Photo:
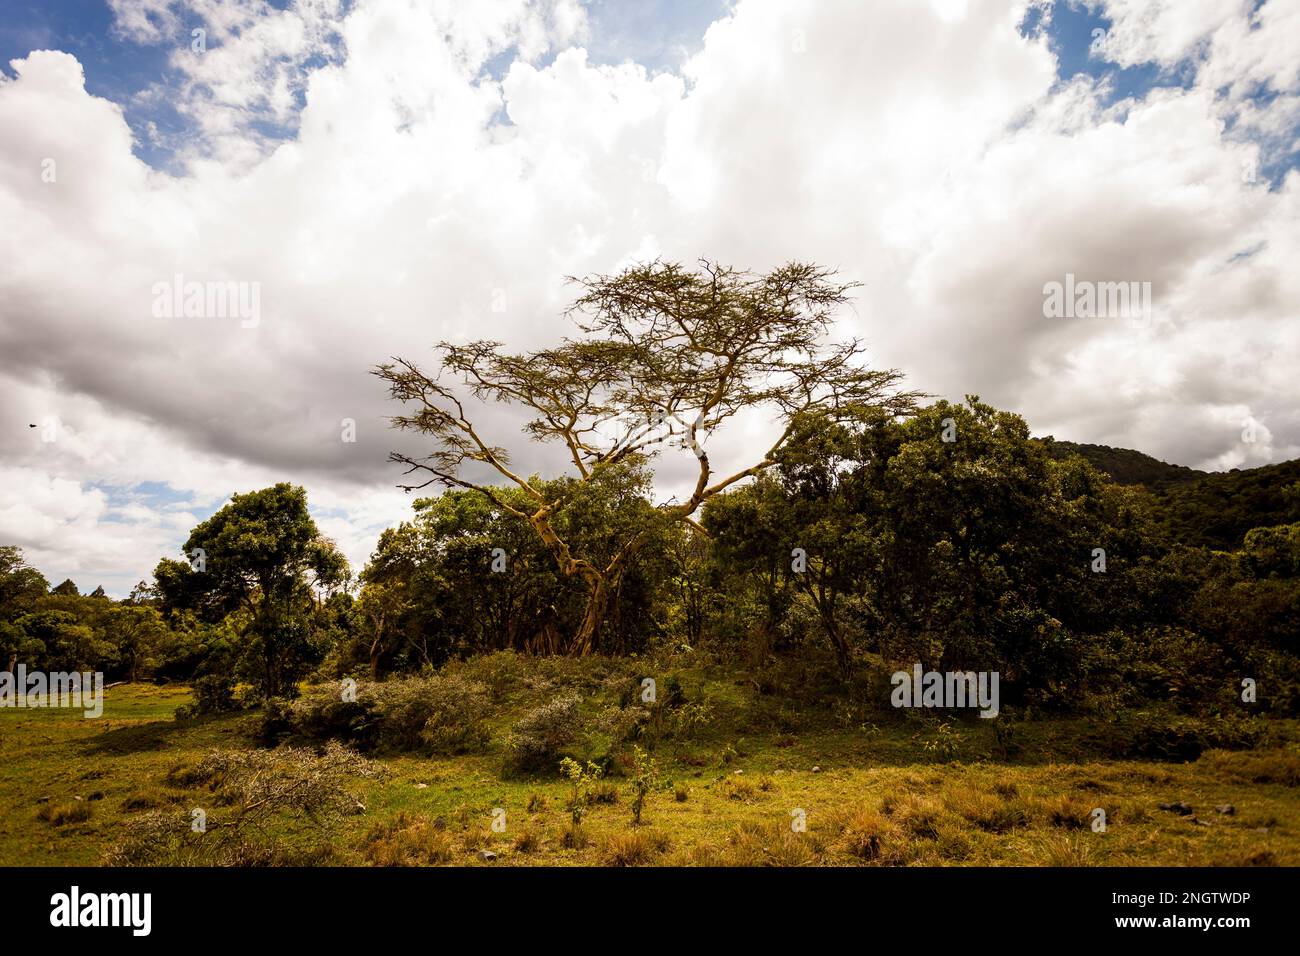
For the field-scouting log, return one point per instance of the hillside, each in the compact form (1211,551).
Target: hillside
(1124,465)
(1218,510)
(1210,509)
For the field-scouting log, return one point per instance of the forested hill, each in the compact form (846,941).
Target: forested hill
(1213,509)
(1124,465)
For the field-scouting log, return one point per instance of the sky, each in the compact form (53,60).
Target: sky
(374,176)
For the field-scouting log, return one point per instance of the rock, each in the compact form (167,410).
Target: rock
(739,772)
(1202,823)
(1225,808)
(42,799)
(487,855)
(817,769)
(1180,808)
(421,786)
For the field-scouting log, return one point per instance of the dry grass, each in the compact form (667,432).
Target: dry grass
(574,837)
(527,840)
(882,804)
(992,812)
(143,800)
(738,788)
(869,835)
(633,848)
(408,840)
(1067,812)
(1277,766)
(920,817)
(59,814)
(1059,849)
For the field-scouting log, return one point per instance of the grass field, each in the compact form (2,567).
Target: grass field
(897,793)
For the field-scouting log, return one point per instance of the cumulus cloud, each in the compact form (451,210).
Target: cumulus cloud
(393,173)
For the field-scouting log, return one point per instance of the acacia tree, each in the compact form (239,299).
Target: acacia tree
(668,355)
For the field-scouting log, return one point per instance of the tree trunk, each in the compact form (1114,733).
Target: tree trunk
(376,645)
(843,656)
(585,640)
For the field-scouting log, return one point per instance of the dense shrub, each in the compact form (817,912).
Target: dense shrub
(501,672)
(443,714)
(1159,736)
(455,721)
(538,741)
(213,694)
(323,714)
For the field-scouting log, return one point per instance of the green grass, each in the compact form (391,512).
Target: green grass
(879,796)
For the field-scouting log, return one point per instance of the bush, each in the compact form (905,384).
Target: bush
(443,714)
(538,740)
(584,780)
(501,672)
(692,719)
(644,778)
(1157,736)
(456,723)
(254,789)
(213,694)
(322,714)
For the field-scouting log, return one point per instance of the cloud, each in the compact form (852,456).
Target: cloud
(393,173)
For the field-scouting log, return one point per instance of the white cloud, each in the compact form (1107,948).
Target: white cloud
(927,151)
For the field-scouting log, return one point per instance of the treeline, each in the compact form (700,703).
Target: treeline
(60,629)
(949,537)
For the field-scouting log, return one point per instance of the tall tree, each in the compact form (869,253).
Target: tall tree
(139,634)
(261,555)
(668,355)
(20,584)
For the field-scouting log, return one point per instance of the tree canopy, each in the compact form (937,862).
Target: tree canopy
(667,356)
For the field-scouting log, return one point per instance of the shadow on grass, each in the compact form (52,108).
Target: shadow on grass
(141,738)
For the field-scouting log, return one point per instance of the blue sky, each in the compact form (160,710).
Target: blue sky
(1073,34)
